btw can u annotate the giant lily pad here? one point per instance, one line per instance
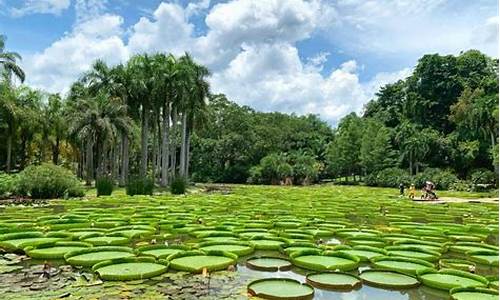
(458, 264)
(404, 265)
(485, 257)
(446, 279)
(129, 268)
(326, 261)
(388, 279)
(161, 251)
(268, 263)
(196, 261)
(473, 293)
(91, 256)
(238, 248)
(55, 250)
(336, 280)
(365, 253)
(413, 252)
(280, 288)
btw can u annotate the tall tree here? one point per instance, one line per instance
(8, 62)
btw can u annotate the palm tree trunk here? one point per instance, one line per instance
(155, 153)
(9, 152)
(173, 145)
(188, 145)
(55, 152)
(411, 163)
(183, 145)
(125, 160)
(144, 143)
(90, 164)
(165, 145)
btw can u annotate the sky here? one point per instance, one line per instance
(325, 57)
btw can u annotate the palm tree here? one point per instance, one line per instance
(142, 83)
(8, 62)
(196, 90)
(98, 121)
(10, 113)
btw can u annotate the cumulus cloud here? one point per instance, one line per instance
(41, 7)
(169, 31)
(251, 47)
(55, 68)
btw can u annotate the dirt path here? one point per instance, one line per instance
(460, 200)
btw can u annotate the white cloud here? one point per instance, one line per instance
(273, 78)
(65, 60)
(40, 7)
(169, 31)
(251, 47)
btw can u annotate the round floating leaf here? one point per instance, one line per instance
(400, 264)
(326, 261)
(268, 263)
(98, 239)
(298, 246)
(161, 251)
(473, 293)
(236, 247)
(463, 247)
(267, 243)
(55, 250)
(280, 288)
(129, 268)
(196, 261)
(446, 279)
(458, 264)
(91, 256)
(336, 280)
(365, 253)
(413, 252)
(388, 279)
(485, 257)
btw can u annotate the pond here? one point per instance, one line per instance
(221, 246)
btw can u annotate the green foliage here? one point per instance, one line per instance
(461, 186)
(140, 186)
(390, 177)
(482, 176)
(178, 185)
(104, 186)
(443, 179)
(272, 169)
(7, 184)
(47, 181)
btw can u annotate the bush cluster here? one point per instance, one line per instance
(178, 185)
(140, 186)
(47, 181)
(7, 184)
(104, 186)
(392, 177)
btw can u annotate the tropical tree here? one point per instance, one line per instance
(98, 121)
(8, 62)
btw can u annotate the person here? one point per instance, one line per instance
(401, 189)
(429, 191)
(412, 191)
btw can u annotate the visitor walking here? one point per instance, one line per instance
(401, 189)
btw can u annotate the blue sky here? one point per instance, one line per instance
(319, 56)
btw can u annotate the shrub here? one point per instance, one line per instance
(482, 176)
(7, 184)
(104, 186)
(140, 186)
(178, 185)
(390, 177)
(461, 186)
(48, 181)
(443, 179)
